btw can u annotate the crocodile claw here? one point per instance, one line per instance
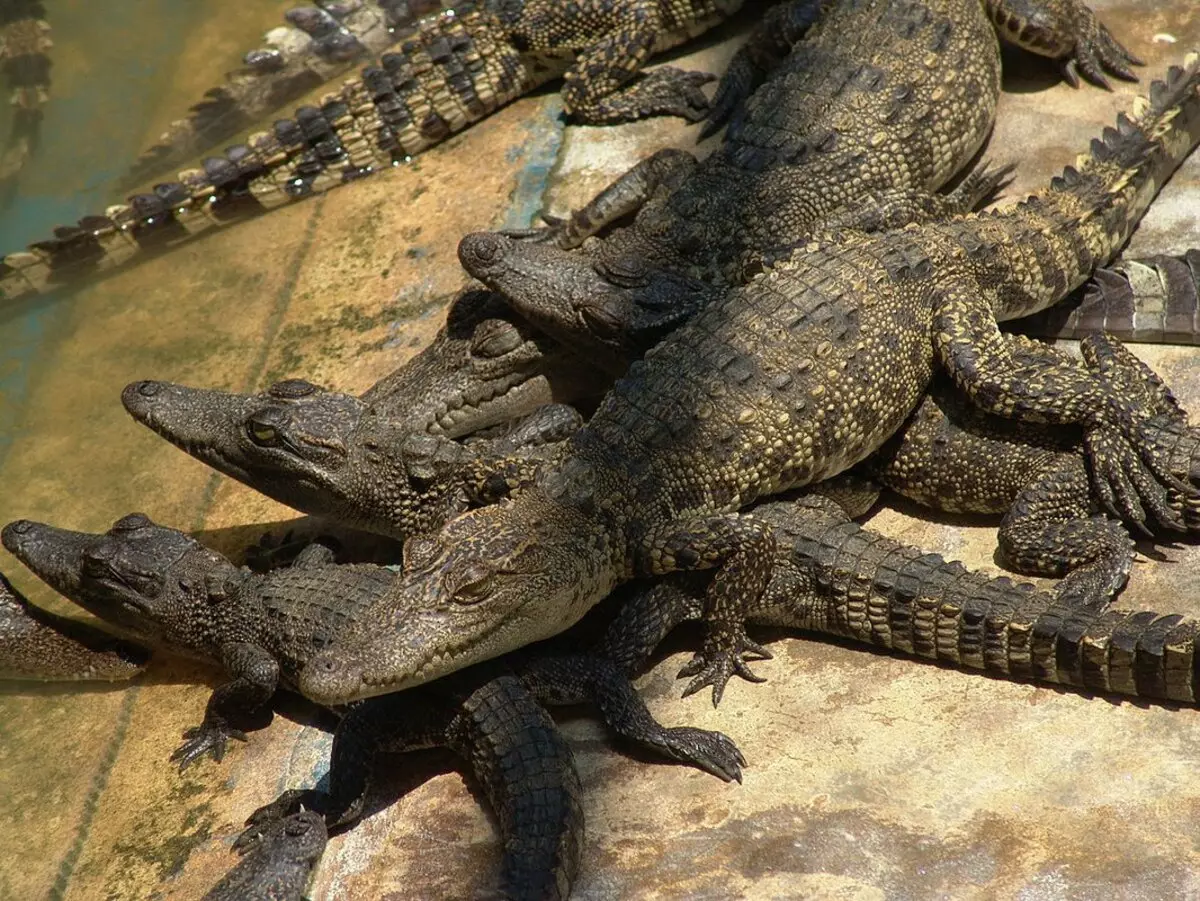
(668, 91)
(715, 666)
(207, 738)
(263, 820)
(713, 752)
(1097, 52)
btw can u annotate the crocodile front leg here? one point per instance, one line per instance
(255, 678)
(1128, 470)
(1064, 30)
(741, 549)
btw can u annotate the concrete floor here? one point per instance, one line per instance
(870, 777)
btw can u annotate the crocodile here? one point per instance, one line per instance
(278, 866)
(38, 645)
(456, 69)
(170, 592)
(24, 40)
(947, 457)
(776, 385)
(881, 98)
(317, 44)
(1154, 299)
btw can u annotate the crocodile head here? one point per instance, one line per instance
(153, 583)
(492, 580)
(616, 306)
(376, 462)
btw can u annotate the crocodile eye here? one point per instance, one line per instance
(131, 523)
(625, 271)
(476, 587)
(262, 434)
(495, 338)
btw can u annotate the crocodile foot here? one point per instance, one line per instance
(208, 738)
(713, 752)
(1096, 52)
(267, 818)
(721, 659)
(1127, 483)
(669, 91)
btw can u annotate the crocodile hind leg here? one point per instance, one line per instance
(740, 549)
(1128, 469)
(514, 751)
(1064, 30)
(662, 172)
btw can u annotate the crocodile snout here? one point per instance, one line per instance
(481, 250)
(137, 395)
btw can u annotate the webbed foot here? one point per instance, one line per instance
(1096, 52)
(1129, 483)
(268, 817)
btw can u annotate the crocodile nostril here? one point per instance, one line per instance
(478, 249)
(149, 389)
(20, 527)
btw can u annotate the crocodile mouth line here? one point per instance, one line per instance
(460, 408)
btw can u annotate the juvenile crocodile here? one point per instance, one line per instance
(881, 97)
(781, 383)
(1154, 299)
(163, 587)
(278, 866)
(317, 44)
(42, 646)
(455, 70)
(24, 40)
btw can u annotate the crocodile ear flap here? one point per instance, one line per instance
(218, 587)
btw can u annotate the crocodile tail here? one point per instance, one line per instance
(1089, 211)
(1153, 299)
(845, 580)
(455, 71)
(315, 46)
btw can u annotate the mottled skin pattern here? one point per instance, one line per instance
(24, 40)
(166, 589)
(41, 646)
(787, 381)
(880, 104)
(383, 462)
(834, 577)
(316, 45)
(1154, 299)
(279, 865)
(455, 70)
(952, 457)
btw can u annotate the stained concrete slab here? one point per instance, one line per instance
(870, 776)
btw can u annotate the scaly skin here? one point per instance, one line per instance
(279, 865)
(24, 40)
(882, 97)
(316, 45)
(834, 577)
(37, 645)
(380, 462)
(167, 590)
(1155, 299)
(792, 379)
(456, 70)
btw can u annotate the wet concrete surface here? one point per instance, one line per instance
(870, 777)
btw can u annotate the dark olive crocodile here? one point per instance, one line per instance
(1154, 299)
(24, 40)
(167, 590)
(280, 863)
(457, 68)
(858, 113)
(832, 576)
(791, 379)
(317, 44)
(41, 646)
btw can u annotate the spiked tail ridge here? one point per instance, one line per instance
(1090, 210)
(454, 72)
